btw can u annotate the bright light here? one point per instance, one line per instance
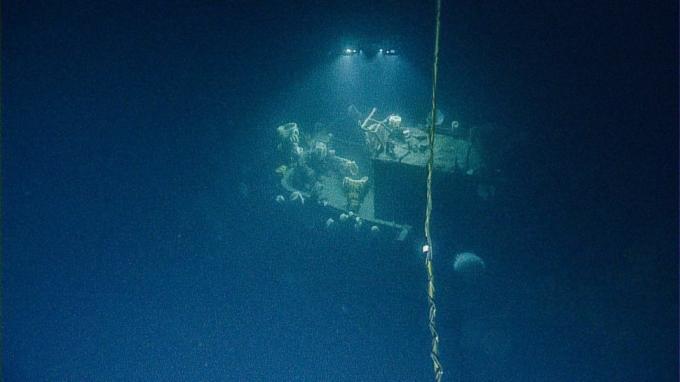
(348, 51)
(426, 248)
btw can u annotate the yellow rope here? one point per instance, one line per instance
(432, 308)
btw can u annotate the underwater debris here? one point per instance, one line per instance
(280, 199)
(344, 166)
(289, 132)
(296, 197)
(333, 172)
(281, 170)
(320, 151)
(289, 136)
(394, 121)
(355, 190)
(358, 223)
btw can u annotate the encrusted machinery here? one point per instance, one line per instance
(355, 189)
(333, 185)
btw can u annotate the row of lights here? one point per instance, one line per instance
(386, 52)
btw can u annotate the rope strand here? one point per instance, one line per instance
(432, 308)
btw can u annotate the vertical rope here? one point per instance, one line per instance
(432, 308)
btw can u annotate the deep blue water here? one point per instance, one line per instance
(141, 240)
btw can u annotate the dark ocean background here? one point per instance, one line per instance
(141, 240)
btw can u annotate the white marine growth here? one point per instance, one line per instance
(296, 197)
